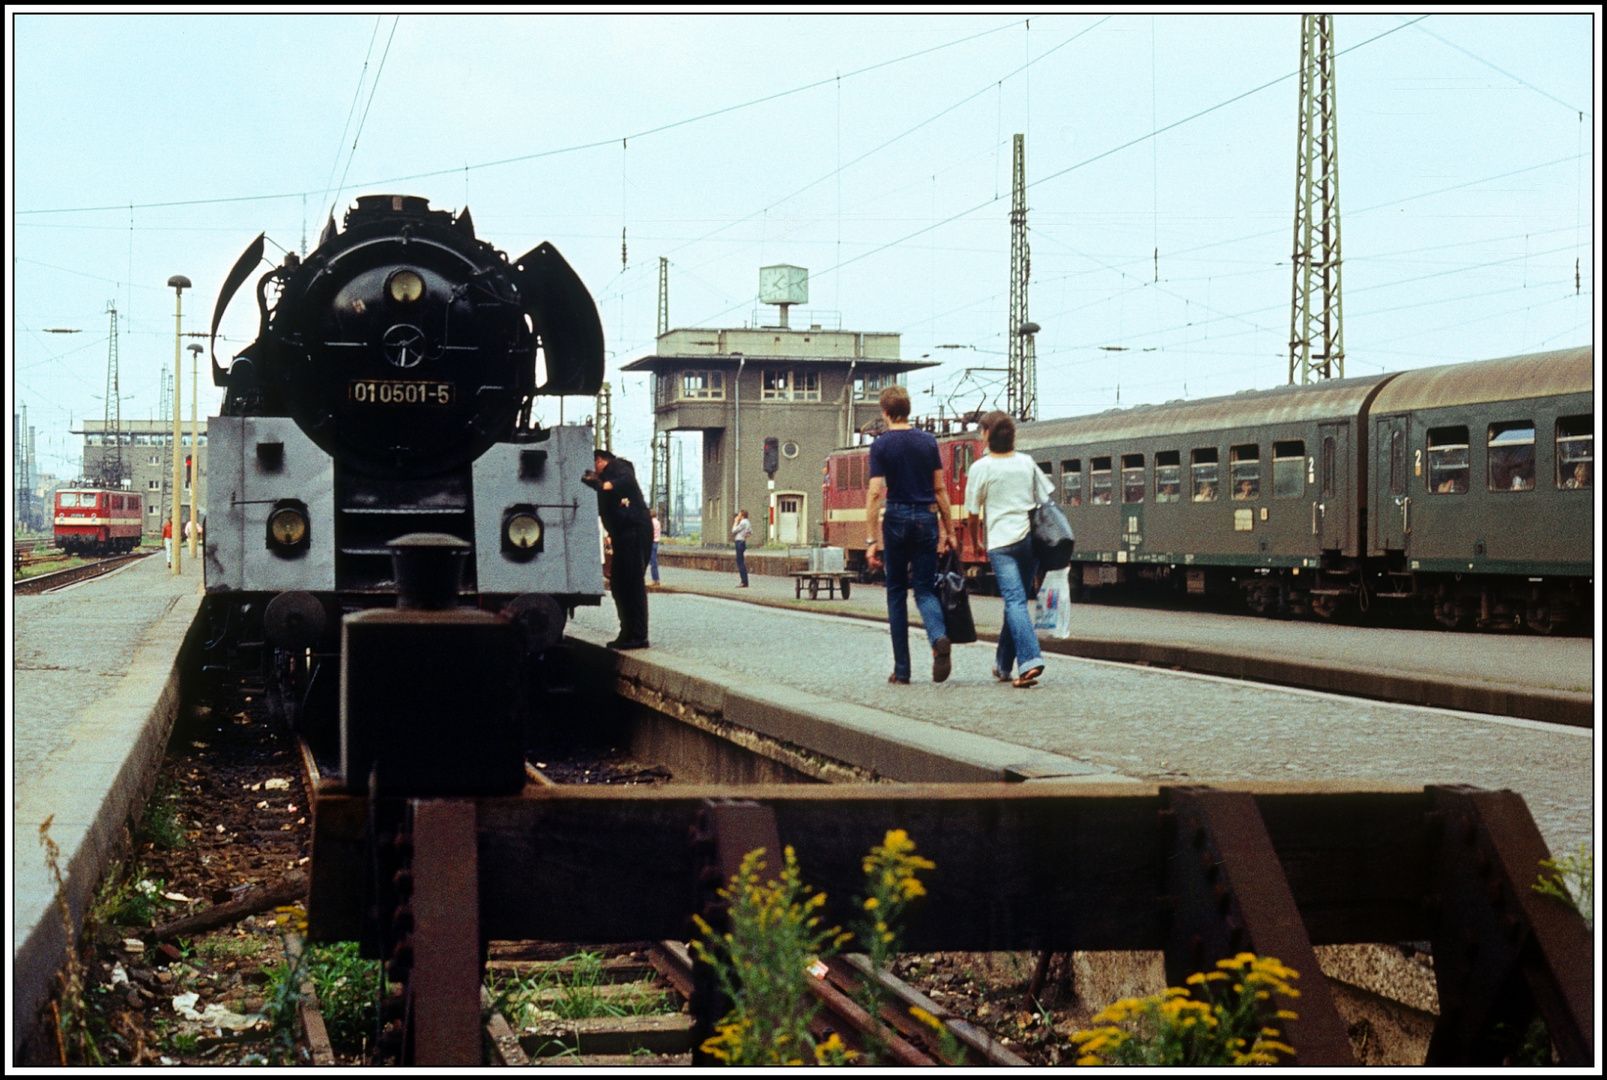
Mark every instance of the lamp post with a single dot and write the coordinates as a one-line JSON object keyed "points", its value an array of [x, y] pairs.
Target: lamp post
{"points": [[195, 443], [178, 283]]}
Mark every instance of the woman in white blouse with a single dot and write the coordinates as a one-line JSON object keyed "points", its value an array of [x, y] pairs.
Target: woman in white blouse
{"points": [[1002, 488]]}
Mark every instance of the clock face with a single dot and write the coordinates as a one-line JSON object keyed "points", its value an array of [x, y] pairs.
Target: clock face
{"points": [[783, 285]]}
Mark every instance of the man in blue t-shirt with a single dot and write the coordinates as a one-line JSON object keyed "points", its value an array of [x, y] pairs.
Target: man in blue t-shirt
{"points": [[906, 472]]}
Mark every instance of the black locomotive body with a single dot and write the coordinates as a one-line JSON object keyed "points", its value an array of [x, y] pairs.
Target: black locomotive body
{"points": [[388, 393], [1466, 488]]}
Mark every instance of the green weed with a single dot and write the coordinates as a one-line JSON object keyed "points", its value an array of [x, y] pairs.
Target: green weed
{"points": [[161, 823], [1571, 879]]}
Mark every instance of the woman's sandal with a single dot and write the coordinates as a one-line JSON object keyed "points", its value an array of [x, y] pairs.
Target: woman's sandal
{"points": [[1000, 676], [1028, 678]]}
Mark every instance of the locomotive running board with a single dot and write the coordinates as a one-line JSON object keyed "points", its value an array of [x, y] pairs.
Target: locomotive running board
{"points": [[1197, 873]]}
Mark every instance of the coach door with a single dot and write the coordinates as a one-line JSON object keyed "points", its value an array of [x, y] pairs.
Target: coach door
{"points": [[1331, 511], [1391, 512]]}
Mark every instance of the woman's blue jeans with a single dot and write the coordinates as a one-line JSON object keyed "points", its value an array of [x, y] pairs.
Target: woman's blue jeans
{"points": [[1014, 570], [909, 550], [742, 560]]}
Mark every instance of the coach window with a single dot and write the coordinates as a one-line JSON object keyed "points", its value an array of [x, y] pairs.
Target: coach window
{"points": [[1448, 460], [1512, 456], [1099, 480], [1576, 456], [1071, 482], [1203, 463], [1132, 478], [1168, 476], [1244, 471], [1288, 470]]}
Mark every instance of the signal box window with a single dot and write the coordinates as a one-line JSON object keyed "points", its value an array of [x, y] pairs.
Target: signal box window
{"points": [[1288, 470], [1448, 460], [1203, 464], [1099, 479], [1576, 452], [1512, 456], [1132, 478], [790, 385], [1071, 482], [1168, 476], [1244, 470], [703, 385]]}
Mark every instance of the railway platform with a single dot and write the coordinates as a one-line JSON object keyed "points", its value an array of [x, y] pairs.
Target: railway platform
{"points": [[95, 690], [1521, 675], [1149, 724]]}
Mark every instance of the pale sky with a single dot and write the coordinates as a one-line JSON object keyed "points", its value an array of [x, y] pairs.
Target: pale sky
{"points": [[873, 149]]}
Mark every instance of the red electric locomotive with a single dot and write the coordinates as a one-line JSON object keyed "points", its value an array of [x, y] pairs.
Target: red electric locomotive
{"points": [[98, 520], [847, 481]]}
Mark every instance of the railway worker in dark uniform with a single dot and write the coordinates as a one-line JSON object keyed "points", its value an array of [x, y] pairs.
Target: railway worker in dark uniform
{"points": [[906, 471], [624, 514]]}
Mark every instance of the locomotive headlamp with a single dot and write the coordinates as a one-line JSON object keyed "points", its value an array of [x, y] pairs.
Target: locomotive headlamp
{"points": [[522, 532], [287, 528], [405, 287]]}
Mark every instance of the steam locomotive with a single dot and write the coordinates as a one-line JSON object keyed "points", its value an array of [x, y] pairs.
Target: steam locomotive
{"points": [[1465, 491], [389, 392]]}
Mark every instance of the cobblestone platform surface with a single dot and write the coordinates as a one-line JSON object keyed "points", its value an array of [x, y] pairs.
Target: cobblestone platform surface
{"points": [[1149, 724]]}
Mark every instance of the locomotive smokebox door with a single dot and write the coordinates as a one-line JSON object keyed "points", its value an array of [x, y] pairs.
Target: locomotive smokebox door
{"points": [[429, 692]]}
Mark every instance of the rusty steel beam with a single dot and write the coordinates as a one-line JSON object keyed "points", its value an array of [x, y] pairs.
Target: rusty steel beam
{"points": [[444, 986], [1229, 895], [1018, 866], [1502, 952]]}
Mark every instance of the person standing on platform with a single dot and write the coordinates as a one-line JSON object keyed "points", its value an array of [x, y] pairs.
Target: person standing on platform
{"points": [[1001, 489], [652, 560], [907, 472], [167, 539], [741, 529], [630, 531]]}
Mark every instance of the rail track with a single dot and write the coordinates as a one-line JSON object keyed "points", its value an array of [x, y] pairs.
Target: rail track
{"points": [[60, 579], [663, 971], [434, 840]]}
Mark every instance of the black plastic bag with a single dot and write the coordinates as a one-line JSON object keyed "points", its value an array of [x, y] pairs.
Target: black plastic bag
{"points": [[950, 588], [1052, 539]]}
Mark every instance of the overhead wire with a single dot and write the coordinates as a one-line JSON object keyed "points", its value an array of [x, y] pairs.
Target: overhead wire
{"points": [[372, 90], [357, 92], [575, 148]]}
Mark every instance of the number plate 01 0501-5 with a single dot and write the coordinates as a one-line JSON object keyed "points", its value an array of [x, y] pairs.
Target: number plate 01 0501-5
{"points": [[399, 392]]}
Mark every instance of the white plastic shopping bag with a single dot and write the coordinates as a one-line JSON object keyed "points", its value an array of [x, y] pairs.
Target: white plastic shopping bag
{"points": [[1052, 615]]}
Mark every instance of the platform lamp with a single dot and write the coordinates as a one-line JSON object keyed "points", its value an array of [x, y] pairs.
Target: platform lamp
{"points": [[178, 283], [195, 443]]}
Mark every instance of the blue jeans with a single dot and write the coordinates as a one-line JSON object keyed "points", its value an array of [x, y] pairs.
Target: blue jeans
{"points": [[1015, 570], [742, 560], [909, 541], [652, 562]]}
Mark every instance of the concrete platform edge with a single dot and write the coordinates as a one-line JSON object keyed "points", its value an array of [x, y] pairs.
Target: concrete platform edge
{"points": [[39, 948]]}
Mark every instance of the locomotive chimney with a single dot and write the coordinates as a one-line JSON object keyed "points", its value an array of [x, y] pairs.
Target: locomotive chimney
{"points": [[429, 570]]}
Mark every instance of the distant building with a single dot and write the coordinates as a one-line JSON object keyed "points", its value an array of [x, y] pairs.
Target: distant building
{"points": [[148, 464], [800, 392]]}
